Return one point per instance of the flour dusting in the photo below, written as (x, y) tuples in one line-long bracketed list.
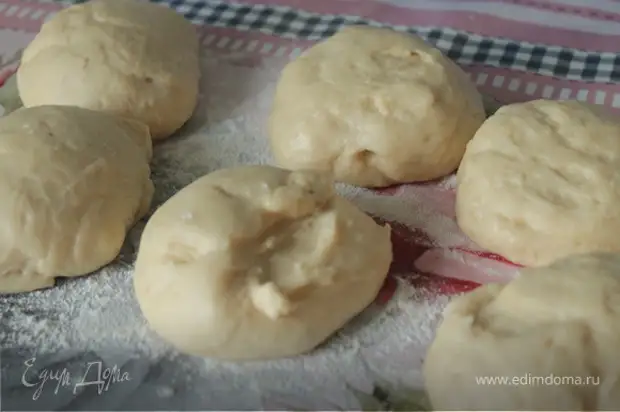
[(98, 313)]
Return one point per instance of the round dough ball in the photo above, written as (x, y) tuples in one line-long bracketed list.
[(548, 340), (72, 182), (127, 57), (541, 181), (258, 262), (374, 107)]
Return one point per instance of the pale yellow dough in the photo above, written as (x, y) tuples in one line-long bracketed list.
[(127, 57), (374, 107), (72, 182), (552, 334), (257, 262), (541, 181)]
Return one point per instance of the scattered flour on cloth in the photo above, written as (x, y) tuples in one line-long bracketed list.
[(98, 314)]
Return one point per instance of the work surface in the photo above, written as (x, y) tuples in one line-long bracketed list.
[(90, 328)]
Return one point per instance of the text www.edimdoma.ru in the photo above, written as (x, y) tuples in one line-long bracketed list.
[(533, 380)]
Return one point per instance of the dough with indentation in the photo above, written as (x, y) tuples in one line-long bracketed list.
[(72, 182), (551, 336), (127, 57), (374, 107), (541, 180), (257, 262)]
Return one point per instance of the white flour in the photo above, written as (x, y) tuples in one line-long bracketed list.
[(99, 313)]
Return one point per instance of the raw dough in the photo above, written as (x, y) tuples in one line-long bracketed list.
[(127, 57), (258, 262), (546, 333), (374, 107), (541, 180), (72, 182)]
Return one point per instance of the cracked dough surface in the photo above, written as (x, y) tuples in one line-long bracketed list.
[(555, 322), (72, 182), (374, 107), (127, 57), (541, 180), (257, 262)]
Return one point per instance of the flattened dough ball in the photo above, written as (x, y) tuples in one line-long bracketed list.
[(72, 182), (126, 57), (374, 107), (257, 262), (541, 181), (551, 335)]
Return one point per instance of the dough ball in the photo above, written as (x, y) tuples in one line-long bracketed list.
[(256, 263), (549, 339), (72, 182), (126, 57), (374, 107), (541, 181)]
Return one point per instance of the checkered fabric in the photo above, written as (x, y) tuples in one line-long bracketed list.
[(464, 48)]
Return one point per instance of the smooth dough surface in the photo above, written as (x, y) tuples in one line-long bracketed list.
[(374, 107), (541, 180), (72, 182), (552, 333), (127, 57), (258, 262)]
